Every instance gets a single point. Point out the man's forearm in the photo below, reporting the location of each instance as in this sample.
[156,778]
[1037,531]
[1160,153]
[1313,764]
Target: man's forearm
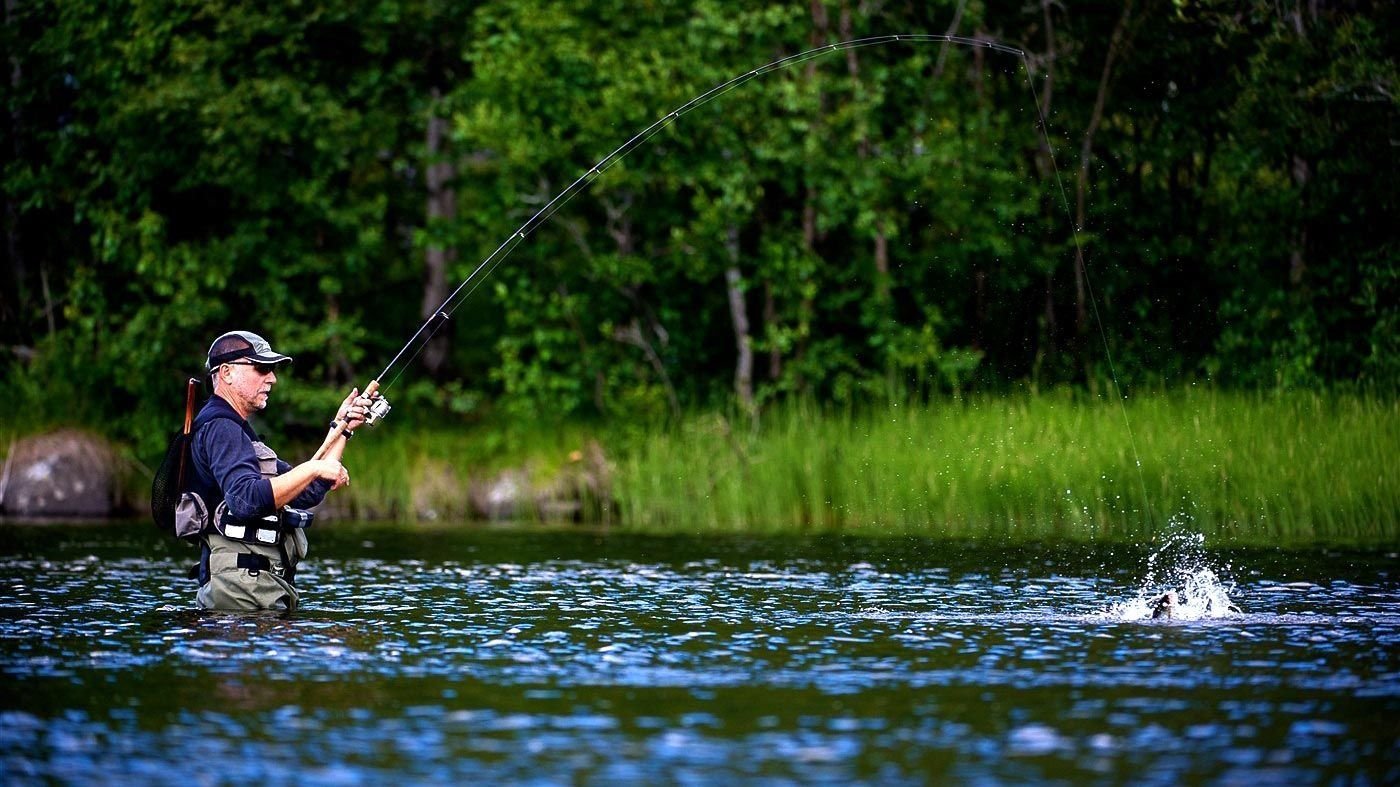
[287,486]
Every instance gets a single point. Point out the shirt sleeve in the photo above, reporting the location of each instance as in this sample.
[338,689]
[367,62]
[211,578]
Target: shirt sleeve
[234,467]
[312,495]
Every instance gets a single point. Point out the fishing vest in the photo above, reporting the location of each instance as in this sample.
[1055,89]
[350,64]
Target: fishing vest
[244,563]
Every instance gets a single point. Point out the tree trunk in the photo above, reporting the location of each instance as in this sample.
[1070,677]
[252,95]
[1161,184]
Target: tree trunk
[806,307]
[1297,257]
[632,334]
[1045,6]
[1047,343]
[844,28]
[880,242]
[770,321]
[952,31]
[11,306]
[882,267]
[738,312]
[821,27]
[979,306]
[441,210]
[1116,43]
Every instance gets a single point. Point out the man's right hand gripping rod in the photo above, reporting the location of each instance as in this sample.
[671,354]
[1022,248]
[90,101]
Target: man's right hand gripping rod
[378,408]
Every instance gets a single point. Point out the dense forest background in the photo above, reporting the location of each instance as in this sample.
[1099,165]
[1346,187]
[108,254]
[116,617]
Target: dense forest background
[876,221]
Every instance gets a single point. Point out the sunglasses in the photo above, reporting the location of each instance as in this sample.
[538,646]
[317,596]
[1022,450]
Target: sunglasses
[262,368]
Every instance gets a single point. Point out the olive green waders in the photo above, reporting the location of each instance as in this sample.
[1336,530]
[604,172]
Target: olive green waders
[245,576]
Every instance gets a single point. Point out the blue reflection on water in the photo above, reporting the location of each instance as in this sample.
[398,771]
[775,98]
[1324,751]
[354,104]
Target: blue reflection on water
[646,660]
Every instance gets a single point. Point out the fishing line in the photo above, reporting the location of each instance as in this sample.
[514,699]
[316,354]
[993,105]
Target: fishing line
[1093,299]
[484,269]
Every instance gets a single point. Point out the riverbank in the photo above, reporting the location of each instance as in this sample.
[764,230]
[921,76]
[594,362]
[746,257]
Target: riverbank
[1297,468]
[1242,468]
[1259,469]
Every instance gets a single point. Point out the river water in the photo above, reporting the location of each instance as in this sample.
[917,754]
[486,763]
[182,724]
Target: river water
[464,654]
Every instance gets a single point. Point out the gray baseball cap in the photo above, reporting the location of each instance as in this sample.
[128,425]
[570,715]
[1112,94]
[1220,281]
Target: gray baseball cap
[237,345]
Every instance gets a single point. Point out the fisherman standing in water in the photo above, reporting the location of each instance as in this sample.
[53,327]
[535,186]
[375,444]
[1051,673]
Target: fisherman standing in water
[251,526]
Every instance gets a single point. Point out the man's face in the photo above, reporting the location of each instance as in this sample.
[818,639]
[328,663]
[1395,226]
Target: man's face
[246,385]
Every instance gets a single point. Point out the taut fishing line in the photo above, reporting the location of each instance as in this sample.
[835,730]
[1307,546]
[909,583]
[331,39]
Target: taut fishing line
[1093,299]
[483,270]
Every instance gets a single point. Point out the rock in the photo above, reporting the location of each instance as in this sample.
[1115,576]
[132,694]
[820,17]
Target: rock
[582,490]
[65,473]
[507,496]
[437,492]
[554,510]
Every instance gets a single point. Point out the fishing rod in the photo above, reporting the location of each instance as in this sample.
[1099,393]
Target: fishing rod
[379,405]
[489,264]
[374,390]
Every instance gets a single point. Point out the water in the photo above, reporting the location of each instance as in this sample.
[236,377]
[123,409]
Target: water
[531,655]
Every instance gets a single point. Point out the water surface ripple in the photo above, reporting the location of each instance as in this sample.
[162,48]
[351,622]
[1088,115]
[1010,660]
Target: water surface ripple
[557,656]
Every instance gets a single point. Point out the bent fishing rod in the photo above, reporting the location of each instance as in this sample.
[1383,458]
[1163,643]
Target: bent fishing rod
[374,390]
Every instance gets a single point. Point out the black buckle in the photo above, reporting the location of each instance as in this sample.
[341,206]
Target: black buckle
[254,563]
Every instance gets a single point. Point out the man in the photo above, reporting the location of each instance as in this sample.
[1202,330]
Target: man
[252,532]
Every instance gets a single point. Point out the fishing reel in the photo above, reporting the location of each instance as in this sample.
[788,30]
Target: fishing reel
[378,408]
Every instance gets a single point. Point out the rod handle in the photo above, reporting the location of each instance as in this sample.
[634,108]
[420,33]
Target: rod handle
[336,433]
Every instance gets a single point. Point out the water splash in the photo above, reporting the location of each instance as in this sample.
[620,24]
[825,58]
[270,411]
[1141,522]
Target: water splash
[1180,567]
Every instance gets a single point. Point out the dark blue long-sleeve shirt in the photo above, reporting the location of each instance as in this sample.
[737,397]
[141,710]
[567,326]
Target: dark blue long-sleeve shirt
[224,459]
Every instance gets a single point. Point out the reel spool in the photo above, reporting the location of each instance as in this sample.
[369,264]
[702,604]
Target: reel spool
[378,409]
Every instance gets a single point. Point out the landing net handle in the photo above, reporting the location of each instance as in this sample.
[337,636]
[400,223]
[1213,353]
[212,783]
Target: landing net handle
[189,419]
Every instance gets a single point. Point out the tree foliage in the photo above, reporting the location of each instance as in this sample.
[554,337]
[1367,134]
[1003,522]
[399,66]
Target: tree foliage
[889,220]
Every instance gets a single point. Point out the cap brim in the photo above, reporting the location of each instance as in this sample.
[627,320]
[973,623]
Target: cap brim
[272,358]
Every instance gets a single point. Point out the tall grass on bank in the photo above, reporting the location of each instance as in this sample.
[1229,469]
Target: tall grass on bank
[1294,468]
[1244,468]
[410,472]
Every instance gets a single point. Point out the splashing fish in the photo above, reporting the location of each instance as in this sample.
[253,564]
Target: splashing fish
[1181,583]
[1164,605]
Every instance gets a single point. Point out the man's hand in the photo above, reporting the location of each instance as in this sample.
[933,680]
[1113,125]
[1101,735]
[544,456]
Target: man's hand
[353,410]
[332,471]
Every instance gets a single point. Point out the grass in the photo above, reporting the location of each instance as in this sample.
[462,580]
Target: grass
[410,472]
[1290,468]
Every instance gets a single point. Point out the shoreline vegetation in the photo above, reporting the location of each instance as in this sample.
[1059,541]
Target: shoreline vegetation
[1294,468]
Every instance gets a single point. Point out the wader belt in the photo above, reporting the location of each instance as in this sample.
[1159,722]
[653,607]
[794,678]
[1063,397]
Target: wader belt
[251,533]
[254,562]
[249,562]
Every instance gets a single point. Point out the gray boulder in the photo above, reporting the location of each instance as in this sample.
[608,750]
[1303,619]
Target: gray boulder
[579,490]
[65,473]
[505,496]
